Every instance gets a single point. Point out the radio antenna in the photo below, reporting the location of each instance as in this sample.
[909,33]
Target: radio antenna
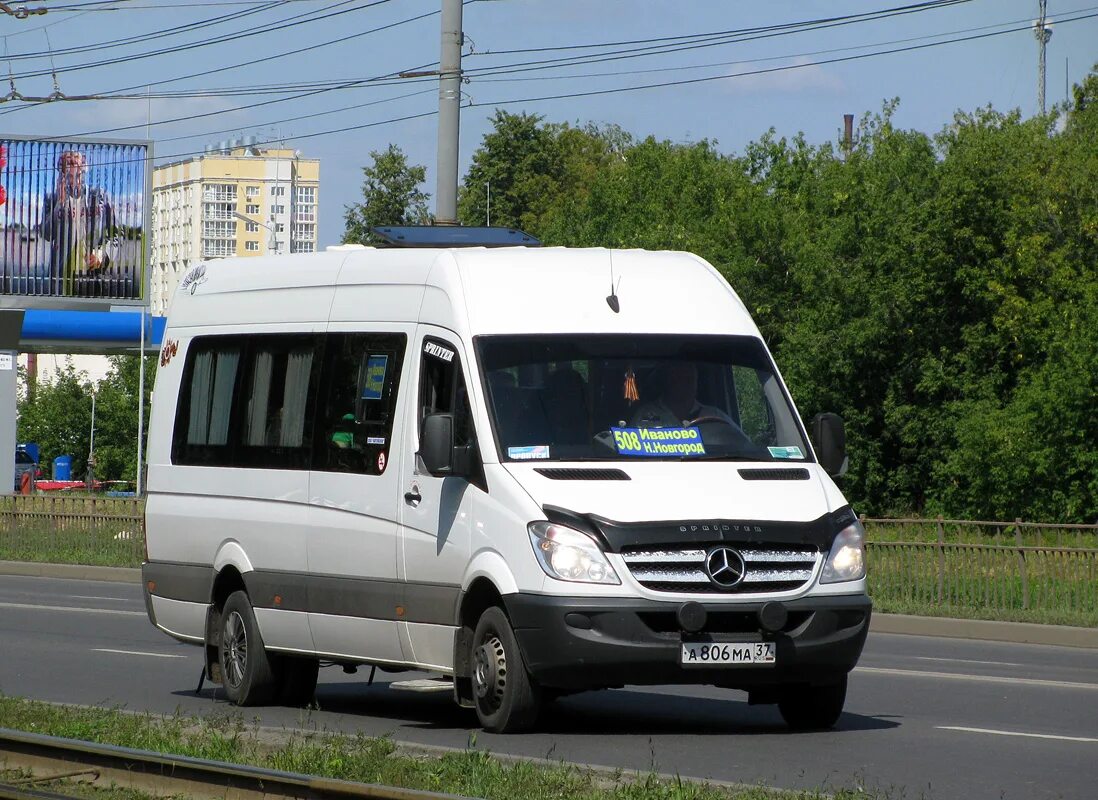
[612,298]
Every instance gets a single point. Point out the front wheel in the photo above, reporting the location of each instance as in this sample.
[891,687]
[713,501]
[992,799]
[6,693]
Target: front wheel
[246,670]
[506,698]
[808,708]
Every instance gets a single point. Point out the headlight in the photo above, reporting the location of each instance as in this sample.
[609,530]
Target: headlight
[569,555]
[846,561]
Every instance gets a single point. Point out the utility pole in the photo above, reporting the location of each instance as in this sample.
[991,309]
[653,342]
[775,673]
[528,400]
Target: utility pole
[1042,29]
[449,113]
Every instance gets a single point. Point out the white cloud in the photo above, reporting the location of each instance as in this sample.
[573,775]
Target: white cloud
[803,76]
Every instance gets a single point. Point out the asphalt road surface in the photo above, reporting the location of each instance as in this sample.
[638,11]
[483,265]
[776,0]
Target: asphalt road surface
[925,717]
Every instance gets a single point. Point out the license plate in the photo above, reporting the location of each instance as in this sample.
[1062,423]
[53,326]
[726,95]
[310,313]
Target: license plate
[722,654]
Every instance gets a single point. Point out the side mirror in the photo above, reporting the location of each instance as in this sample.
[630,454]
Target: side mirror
[436,446]
[829,439]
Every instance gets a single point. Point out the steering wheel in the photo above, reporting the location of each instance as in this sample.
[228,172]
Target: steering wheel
[709,418]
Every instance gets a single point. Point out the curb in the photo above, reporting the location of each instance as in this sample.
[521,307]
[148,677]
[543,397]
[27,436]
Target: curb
[948,627]
[985,630]
[78,572]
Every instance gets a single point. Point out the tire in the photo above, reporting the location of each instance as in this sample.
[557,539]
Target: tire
[506,698]
[247,671]
[297,681]
[813,708]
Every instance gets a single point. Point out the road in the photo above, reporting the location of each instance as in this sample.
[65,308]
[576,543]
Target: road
[925,717]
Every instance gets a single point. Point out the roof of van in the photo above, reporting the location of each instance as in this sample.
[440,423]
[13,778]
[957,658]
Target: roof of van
[483,290]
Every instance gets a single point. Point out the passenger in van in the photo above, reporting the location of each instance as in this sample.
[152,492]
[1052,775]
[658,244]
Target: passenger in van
[344,438]
[677,404]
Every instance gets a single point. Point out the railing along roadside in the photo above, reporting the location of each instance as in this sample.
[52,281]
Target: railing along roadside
[81,529]
[1042,572]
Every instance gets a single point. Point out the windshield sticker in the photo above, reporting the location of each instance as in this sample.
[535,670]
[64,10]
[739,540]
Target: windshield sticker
[786,452]
[376,367]
[528,452]
[438,351]
[658,441]
[375,440]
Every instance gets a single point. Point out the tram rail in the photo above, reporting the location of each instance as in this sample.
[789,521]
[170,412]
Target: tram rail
[50,758]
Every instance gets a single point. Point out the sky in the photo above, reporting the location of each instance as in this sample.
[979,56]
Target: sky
[773,73]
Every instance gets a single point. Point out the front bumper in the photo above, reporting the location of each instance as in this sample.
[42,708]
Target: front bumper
[581,643]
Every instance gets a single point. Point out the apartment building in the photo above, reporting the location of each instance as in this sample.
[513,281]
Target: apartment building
[237,199]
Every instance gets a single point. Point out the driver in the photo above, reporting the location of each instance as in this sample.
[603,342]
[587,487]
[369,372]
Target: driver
[677,405]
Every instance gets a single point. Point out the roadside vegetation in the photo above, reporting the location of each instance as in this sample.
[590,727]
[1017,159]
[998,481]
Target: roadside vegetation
[472,772]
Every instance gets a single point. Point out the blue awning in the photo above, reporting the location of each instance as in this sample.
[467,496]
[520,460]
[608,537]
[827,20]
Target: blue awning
[102,332]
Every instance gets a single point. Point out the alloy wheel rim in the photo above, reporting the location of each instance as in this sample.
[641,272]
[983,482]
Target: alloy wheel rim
[234,649]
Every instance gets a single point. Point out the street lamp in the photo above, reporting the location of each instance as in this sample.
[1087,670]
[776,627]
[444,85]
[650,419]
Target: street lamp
[272,244]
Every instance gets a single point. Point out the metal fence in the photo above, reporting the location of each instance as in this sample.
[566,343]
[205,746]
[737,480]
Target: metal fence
[1002,570]
[67,529]
[999,570]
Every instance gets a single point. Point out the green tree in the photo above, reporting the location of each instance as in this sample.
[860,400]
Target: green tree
[391,195]
[59,418]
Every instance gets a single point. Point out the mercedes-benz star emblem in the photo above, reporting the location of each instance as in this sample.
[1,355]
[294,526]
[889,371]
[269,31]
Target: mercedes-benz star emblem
[725,567]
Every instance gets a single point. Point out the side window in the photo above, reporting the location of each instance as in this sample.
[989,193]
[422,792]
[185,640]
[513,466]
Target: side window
[247,401]
[277,397]
[205,403]
[359,401]
[442,390]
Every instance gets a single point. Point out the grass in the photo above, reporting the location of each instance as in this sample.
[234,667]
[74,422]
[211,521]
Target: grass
[473,773]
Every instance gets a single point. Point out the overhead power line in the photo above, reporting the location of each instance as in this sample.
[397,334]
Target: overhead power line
[823,62]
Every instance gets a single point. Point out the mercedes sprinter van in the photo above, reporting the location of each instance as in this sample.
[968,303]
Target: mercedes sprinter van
[533,471]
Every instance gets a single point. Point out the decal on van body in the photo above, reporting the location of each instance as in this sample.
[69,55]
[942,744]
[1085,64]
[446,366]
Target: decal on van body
[193,279]
[171,347]
[438,351]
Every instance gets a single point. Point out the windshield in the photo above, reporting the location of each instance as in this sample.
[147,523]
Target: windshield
[610,397]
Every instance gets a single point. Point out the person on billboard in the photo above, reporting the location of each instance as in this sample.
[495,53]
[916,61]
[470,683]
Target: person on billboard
[78,222]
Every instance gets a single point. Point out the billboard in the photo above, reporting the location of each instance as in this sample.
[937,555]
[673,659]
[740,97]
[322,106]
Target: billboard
[73,222]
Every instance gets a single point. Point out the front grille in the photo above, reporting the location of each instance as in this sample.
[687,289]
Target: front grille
[767,568]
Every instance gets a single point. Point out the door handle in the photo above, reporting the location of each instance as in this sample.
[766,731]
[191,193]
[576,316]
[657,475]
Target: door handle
[412,497]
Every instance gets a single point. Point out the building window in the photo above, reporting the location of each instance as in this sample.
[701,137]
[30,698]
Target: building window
[213,248]
[252,247]
[306,231]
[251,227]
[212,211]
[305,194]
[279,227]
[251,208]
[219,192]
[251,192]
[278,191]
[219,230]
[301,247]
[278,210]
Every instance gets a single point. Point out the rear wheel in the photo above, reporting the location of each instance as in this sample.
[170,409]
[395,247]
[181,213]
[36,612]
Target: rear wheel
[506,698]
[246,669]
[807,708]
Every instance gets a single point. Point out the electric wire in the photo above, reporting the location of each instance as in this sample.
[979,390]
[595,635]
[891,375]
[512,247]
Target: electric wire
[289,22]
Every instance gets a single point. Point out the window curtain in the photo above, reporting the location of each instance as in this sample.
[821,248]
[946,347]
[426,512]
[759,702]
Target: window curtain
[198,425]
[221,402]
[299,364]
[260,396]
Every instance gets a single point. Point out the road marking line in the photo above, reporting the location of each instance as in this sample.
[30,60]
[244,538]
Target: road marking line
[969,661]
[134,653]
[960,676]
[1016,733]
[78,610]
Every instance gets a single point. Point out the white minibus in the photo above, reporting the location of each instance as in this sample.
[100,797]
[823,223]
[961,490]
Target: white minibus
[531,471]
